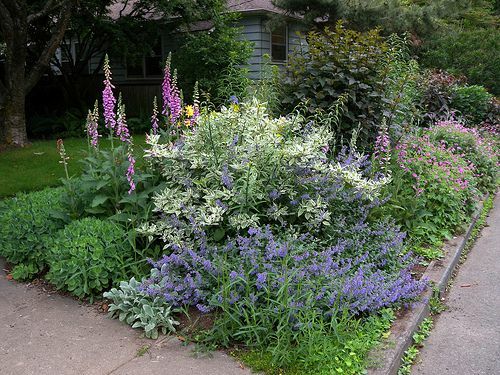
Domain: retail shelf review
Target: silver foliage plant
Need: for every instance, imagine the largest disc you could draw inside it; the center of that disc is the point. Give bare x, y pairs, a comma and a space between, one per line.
238, 169
139, 310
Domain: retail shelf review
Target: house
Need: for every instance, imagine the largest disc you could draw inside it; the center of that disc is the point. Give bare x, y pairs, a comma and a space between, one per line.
139, 82
254, 17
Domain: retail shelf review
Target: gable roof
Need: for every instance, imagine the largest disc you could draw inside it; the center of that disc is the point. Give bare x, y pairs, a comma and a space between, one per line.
253, 6
126, 7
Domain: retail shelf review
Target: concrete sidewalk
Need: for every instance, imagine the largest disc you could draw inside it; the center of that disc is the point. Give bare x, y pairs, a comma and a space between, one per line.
48, 334
466, 337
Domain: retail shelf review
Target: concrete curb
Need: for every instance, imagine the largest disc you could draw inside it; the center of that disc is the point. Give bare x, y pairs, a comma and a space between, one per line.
403, 328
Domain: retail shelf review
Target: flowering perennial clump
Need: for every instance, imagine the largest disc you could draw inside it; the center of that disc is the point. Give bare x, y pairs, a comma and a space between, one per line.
237, 180
469, 144
241, 169
258, 268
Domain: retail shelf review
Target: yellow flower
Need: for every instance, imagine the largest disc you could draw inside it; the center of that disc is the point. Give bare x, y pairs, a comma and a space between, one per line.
189, 110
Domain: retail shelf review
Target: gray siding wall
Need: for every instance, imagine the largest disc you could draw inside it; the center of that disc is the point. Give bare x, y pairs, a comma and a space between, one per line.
251, 30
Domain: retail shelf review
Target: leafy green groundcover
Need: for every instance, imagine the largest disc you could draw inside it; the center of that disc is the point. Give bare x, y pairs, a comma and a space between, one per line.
346, 351
27, 221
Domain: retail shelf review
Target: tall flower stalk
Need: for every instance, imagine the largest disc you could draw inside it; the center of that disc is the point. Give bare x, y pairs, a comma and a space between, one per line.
108, 99
121, 122
172, 102
63, 156
382, 153
131, 171
154, 118
92, 126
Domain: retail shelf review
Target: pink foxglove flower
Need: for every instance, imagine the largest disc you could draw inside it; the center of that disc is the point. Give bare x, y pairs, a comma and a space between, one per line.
175, 101
121, 122
172, 102
131, 172
108, 98
166, 87
92, 126
154, 118
196, 103
383, 147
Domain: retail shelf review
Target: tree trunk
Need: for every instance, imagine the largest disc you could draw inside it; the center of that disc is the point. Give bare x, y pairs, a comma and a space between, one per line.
14, 126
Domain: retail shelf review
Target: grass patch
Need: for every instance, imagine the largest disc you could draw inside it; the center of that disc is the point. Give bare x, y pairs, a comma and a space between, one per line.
346, 351
36, 167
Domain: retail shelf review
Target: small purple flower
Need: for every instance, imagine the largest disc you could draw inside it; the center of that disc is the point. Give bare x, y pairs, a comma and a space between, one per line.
274, 194
261, 279
226, 179
234, 100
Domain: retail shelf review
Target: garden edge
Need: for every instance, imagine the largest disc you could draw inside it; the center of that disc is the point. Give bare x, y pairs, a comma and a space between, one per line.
439, 272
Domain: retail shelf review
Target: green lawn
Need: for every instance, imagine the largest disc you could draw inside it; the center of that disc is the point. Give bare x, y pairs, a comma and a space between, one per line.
37, 166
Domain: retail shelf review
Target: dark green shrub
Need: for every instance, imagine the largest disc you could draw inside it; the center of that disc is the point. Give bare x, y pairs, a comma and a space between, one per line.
341, 62
25, 222
438, 91
213, 58
472, 52
88, 257
472, 102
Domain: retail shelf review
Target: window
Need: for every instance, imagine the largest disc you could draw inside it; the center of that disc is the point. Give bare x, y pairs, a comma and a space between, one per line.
279, 44
68, 55
147, 67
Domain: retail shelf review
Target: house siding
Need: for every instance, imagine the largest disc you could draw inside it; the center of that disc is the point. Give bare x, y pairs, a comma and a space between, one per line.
251, 30
138, 92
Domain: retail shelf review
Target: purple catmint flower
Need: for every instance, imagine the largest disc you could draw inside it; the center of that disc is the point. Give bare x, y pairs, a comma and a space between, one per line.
226, 179
131, 172
108, 98
274, 194
154, 118
261, 279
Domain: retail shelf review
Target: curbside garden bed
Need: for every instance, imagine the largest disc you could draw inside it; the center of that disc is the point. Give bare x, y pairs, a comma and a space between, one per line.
388, 358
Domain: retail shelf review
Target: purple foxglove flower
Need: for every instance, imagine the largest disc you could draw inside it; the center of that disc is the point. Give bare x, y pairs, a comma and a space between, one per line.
92, 126
121, 122
154, 118
166, 87
131, 172
108, 98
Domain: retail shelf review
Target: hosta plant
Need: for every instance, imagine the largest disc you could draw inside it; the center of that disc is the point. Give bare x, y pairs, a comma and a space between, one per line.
139, 310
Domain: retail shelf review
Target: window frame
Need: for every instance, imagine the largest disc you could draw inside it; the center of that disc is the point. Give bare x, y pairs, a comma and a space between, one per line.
142, 61
286, 46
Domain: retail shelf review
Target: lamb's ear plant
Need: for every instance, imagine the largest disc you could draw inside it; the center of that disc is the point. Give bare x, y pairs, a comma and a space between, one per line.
139, 310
